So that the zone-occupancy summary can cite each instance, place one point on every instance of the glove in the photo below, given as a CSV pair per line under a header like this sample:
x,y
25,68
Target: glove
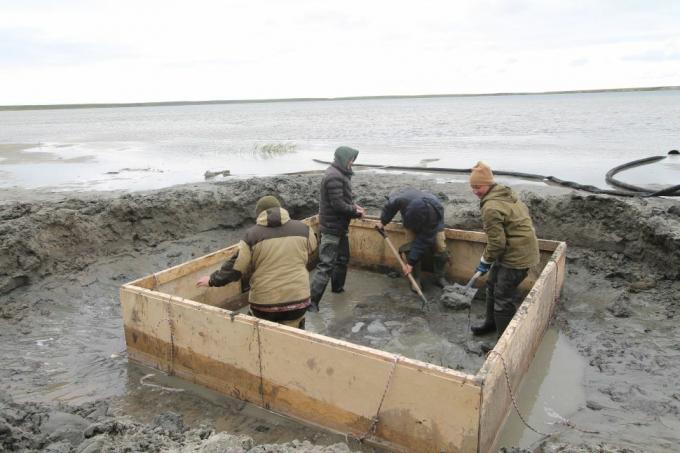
x,y
483,267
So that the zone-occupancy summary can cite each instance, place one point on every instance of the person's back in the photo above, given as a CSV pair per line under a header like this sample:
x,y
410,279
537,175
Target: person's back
x,y
279,249
422,215
273,254
420,211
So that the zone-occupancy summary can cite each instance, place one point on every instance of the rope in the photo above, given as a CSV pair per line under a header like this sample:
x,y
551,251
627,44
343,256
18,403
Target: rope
x,y
563,421
376,419
259,360
514,402
171,327
148,384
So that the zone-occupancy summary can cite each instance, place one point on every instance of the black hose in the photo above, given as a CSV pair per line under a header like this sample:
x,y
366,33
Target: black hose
x,y
672,191
630,190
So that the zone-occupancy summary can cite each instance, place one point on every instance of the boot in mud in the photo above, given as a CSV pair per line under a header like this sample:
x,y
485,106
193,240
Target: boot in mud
x,y
502,321
439,263
487,346
489,324
314,307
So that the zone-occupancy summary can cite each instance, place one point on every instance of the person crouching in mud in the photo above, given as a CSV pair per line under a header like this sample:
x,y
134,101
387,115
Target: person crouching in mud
x,y
274,253
422,215
511,249
336,209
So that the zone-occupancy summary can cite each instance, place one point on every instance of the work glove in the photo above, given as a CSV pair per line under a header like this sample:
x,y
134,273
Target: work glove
x,y
483,266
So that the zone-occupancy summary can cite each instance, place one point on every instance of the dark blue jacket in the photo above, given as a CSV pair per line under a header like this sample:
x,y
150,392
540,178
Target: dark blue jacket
x,y
421,212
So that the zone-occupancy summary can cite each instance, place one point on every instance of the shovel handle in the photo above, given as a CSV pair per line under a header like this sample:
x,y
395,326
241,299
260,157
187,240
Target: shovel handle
x,y
473,280
401,263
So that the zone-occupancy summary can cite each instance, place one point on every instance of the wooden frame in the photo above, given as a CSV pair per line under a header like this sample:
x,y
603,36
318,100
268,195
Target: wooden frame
x,y
195,333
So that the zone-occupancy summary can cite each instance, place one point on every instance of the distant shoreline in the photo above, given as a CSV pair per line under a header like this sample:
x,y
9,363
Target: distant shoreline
x,y
347,98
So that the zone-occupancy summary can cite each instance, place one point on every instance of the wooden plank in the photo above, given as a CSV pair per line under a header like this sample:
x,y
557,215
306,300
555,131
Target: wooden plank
x,y
328,382
303,375
517,347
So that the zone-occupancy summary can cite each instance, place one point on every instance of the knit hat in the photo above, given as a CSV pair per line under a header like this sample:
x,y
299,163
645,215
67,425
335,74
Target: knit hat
x,y
481,175
265,203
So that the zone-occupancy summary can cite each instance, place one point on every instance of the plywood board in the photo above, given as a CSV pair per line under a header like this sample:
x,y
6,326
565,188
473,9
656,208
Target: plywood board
x,y
331,383
306,376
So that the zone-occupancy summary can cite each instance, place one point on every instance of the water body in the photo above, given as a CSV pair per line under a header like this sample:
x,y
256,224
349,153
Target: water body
x,y
572,136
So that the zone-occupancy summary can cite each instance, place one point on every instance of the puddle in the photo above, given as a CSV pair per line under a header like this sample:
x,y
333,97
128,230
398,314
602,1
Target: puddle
x,y
552,388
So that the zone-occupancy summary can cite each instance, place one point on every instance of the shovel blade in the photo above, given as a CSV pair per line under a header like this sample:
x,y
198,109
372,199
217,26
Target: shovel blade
x,y
458,296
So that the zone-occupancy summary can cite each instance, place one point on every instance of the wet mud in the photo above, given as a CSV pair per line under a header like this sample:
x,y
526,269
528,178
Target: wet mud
x,y
64,256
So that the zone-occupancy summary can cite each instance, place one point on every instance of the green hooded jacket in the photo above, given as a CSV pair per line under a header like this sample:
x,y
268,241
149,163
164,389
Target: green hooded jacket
x,y
511,238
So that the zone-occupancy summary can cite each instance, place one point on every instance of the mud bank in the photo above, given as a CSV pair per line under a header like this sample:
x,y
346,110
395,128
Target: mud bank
x,y
63,257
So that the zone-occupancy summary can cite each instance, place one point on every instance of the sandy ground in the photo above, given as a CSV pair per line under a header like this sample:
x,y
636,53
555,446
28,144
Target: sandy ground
x,y
69,387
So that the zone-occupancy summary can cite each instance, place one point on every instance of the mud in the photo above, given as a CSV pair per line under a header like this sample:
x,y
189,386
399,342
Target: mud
x,y
63,257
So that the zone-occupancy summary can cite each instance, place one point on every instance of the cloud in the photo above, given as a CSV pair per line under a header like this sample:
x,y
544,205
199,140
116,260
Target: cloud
x,y
218,49
655,54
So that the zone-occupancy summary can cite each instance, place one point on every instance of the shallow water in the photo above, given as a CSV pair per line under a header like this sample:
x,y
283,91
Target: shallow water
x,y
572,136
552,391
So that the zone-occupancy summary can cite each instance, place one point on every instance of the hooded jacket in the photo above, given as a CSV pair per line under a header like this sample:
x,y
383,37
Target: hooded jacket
x,y
336,206
274,253
421,212
511,238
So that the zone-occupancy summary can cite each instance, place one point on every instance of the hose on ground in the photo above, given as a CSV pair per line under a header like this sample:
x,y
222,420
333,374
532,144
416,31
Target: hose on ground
x,y
629,190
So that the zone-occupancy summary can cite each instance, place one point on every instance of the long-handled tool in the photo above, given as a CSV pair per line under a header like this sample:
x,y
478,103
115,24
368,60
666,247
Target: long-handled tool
x,y
401,263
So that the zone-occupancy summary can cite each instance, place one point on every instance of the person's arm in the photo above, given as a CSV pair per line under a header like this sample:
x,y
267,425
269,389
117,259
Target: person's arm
x,y
389,211
335,188
223,276
496,242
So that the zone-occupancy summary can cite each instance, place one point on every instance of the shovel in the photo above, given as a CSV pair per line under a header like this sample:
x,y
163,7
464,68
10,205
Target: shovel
x,y
401,263
461,296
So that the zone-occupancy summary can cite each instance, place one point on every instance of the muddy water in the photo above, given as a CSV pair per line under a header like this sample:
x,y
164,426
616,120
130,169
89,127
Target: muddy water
x,y
552,391
144,398
380,311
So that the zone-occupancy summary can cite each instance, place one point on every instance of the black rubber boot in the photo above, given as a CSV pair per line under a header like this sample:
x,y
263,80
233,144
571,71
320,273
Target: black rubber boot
x,y
489,324
314,307
439,263
502,320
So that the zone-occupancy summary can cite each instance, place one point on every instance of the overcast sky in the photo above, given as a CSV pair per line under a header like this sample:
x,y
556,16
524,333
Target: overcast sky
x,y
136,51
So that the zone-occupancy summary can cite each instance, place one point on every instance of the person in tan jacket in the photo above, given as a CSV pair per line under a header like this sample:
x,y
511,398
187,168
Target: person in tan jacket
x,y
511,249
274,253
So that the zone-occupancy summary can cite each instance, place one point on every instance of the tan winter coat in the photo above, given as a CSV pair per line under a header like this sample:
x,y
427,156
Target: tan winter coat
x,y
511,238
274,252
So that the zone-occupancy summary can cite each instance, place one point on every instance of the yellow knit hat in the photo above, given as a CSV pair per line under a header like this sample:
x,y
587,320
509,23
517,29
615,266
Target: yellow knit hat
x,y
481,175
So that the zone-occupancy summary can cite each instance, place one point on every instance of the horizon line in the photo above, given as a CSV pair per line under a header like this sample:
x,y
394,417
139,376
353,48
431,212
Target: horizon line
x,y
312,99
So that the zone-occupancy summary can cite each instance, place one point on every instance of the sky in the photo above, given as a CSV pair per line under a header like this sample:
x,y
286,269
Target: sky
x,y
67,51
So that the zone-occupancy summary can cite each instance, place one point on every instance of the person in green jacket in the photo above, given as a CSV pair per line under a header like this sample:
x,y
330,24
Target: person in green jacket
x,y
511,249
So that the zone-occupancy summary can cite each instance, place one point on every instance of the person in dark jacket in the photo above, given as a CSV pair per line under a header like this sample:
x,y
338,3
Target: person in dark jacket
x,y
336,210
511,249
422,215
274,254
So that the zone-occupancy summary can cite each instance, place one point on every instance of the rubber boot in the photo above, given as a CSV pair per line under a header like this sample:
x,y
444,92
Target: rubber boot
x,y
489,324
314,307
439,263
502,321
